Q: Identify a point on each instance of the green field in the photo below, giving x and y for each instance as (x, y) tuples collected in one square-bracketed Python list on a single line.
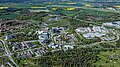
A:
[(67, 13), (61, 22), (58, 23), (12, 16), (107, 61)]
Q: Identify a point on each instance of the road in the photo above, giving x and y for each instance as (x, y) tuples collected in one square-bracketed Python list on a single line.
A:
[(8, 53), (78, 34)]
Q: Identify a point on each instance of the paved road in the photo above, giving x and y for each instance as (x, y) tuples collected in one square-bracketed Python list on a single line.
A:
[(9, 64), (8, 53), (78, 34)]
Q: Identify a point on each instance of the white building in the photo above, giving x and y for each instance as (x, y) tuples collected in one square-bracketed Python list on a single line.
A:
[(113, 24), (92, 35), (82, 30), (66, 47)]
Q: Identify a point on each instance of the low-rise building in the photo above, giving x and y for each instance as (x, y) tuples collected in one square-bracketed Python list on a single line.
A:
[(10, 37), (43, 36), (53, 45), (113, 24), (58, 30), (92, 32), (92, 35), (66, 47)]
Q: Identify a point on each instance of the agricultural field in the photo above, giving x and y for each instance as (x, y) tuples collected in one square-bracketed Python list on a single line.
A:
[(59, 34)]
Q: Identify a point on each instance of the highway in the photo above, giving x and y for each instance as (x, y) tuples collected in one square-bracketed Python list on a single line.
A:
[(8, 53)]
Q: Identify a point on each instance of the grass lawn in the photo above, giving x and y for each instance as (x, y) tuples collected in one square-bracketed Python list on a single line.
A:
[(107, 61), (37, 44), (69, 13), (95, 12), (2, 53), (30, 63), (11, 15), (58, 23)]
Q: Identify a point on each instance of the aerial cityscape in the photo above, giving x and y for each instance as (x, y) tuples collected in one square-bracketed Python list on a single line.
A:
[(59, 33)]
